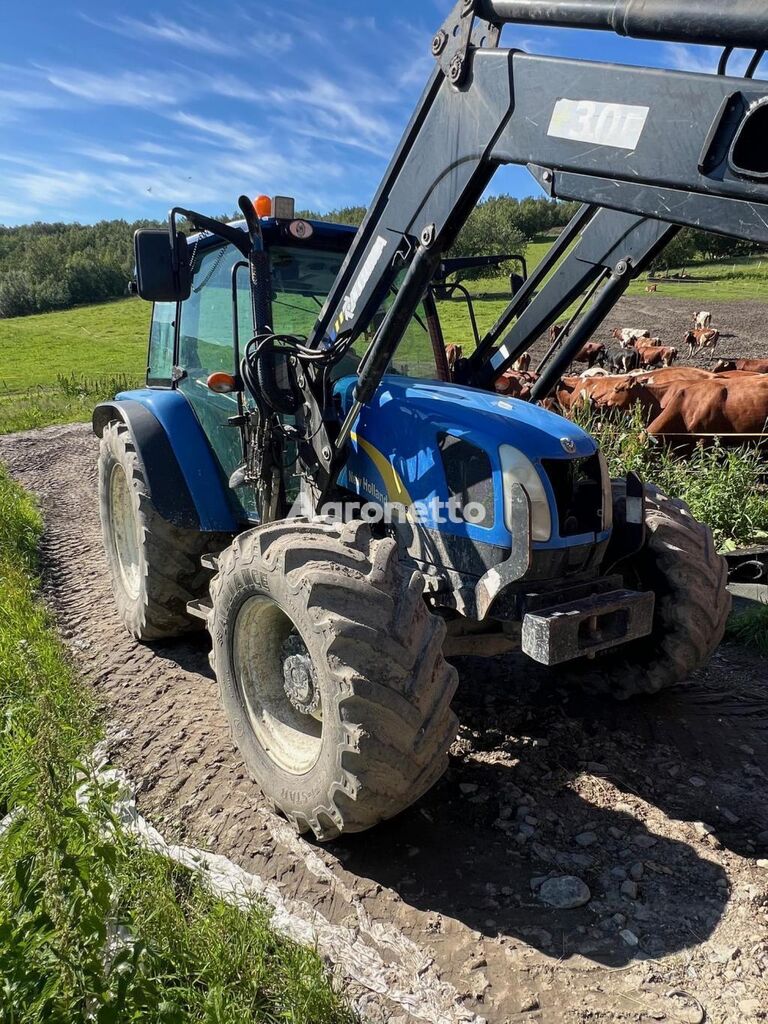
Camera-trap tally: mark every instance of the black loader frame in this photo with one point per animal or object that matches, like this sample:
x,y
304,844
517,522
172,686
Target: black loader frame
x,y
645,151
592,132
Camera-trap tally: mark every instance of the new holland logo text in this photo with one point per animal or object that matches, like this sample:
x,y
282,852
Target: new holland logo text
x,y
349,304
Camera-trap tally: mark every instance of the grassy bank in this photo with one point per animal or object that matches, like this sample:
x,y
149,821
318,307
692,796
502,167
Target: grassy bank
x,y
92,927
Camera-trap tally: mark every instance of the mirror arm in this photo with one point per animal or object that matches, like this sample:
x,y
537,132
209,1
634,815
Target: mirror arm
x,y
203,223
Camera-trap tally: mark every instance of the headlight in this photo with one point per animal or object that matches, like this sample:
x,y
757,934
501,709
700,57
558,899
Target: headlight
x,y
518,469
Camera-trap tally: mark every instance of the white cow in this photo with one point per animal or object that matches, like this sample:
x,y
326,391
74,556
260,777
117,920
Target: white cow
x,y
702,321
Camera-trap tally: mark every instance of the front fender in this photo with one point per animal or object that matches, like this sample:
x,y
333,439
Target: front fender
x,y
183,477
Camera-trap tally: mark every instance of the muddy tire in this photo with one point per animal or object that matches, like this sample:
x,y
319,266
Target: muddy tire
x,y
331,673
155,567
680,564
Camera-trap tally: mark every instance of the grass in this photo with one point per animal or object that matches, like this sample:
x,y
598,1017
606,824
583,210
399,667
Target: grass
x,y
92,927
89,341
724,488
750,628
57,366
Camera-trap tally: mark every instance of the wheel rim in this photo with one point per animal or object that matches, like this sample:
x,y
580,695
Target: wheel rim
x,y
125,531
277,685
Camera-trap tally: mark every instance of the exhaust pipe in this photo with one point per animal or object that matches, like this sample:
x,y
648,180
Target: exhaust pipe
x,y
739,23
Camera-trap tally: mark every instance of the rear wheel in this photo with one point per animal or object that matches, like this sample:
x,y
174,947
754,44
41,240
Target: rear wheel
x,y
155,567
680,564
331,672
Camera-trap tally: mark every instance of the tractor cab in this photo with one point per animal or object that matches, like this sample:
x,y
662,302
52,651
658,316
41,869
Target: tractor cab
x,y
197,343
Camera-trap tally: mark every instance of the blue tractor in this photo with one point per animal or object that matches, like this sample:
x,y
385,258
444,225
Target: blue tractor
x,y
306,474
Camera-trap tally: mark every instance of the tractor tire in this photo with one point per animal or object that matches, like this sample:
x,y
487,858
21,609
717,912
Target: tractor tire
x,y
680,564
155,566
331,673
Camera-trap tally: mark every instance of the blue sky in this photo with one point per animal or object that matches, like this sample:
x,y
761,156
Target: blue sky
x,y
114,110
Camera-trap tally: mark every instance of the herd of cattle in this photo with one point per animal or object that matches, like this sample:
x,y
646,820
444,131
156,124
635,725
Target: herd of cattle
x,y
638,371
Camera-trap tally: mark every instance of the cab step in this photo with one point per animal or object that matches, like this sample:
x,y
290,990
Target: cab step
x,y
200,609
210,561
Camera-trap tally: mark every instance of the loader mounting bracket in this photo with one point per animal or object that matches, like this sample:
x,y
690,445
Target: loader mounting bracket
x,y
451,43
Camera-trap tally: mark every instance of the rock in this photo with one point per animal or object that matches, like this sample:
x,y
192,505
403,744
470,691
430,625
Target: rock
x,y
644,841
586,838
730,817
596,768
565,893
528,1001
629,937
697,781
750,1007
480,986
619,873
526,830
763,837
537,881
703,829
629,889
468,788
636,871
762,864
616,833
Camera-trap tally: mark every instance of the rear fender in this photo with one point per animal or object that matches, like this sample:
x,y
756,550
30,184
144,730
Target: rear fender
x,y
183,477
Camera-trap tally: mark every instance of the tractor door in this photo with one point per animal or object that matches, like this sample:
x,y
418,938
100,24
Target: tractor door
x,y
206,345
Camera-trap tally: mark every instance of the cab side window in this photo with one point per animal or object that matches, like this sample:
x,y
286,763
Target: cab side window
x,y
205,340
161,337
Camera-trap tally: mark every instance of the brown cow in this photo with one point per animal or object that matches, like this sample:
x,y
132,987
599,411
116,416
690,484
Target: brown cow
x,y
721,407
515,385
523,364
696,340
453,354
748,365
652,391
652,355
608,394
556,331
592,353
651,288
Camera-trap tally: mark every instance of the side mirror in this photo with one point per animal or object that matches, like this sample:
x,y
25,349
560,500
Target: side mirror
x,y
163,274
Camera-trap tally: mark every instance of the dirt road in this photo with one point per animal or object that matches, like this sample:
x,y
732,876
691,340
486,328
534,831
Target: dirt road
x,y
659,807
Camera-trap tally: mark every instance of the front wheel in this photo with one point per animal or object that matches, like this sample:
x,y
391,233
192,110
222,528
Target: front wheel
x,y
680,564
155,566
331,673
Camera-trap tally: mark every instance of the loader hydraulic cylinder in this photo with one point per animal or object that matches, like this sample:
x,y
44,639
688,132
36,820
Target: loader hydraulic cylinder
x,y
740,23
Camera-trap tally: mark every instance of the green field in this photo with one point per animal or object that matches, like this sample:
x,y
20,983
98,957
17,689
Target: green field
x,y
56,366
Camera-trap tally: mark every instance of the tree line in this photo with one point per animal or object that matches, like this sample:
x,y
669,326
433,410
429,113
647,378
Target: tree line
x,y
45,267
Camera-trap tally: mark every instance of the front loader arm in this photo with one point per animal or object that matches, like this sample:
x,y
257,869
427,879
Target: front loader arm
x,y
672,147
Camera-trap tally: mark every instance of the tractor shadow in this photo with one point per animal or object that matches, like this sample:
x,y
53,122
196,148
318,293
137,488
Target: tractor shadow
x,y
545,781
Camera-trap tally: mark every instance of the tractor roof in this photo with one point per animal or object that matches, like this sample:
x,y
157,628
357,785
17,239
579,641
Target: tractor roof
x,y
337,235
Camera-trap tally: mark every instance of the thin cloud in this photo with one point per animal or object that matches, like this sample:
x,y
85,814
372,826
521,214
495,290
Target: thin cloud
x,y
124,89
272,42
106,156
236,135
703,59
365,24
164,30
